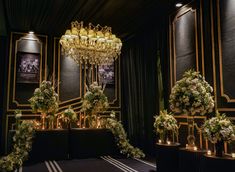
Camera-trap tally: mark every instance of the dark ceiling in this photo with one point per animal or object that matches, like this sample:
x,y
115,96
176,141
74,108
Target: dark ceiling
x,y
52,17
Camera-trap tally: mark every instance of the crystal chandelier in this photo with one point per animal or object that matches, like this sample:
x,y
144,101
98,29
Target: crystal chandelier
x,y
93,44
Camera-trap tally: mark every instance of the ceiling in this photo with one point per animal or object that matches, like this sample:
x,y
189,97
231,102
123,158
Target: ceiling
x,y
52,17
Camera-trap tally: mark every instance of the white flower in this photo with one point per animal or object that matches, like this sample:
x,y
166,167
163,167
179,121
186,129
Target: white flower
x,y
192,95
218,128
18,115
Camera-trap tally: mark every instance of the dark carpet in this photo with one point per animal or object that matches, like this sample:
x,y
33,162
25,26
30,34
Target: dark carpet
x,y
102,164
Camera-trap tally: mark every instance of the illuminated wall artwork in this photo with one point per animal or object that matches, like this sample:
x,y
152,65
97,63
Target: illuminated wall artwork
x,y
28,67
107,78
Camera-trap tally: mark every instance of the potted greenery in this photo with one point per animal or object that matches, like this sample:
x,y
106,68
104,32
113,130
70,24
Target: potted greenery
x,y
69,116
45,101
94,101
166,126
218,130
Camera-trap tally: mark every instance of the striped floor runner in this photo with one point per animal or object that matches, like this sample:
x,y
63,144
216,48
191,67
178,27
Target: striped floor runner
x,y
102,164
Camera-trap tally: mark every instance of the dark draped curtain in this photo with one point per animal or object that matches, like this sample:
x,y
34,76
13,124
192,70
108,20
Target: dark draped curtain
x,y
140,100
3,68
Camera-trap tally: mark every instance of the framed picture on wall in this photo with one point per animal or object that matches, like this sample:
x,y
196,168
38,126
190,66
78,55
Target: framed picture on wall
x,y
28,67
107,74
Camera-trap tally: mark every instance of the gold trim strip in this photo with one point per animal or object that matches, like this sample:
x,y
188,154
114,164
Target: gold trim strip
x,y
59,68
10,72
202,38
14,80
213,53
176,18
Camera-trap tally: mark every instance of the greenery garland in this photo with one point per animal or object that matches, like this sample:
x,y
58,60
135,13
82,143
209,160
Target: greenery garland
x,y
120,136
22,145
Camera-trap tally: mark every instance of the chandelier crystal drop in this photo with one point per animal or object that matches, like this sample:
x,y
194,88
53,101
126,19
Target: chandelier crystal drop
x,y
91,45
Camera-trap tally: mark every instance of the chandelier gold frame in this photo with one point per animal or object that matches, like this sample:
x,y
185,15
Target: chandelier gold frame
x,y
94,45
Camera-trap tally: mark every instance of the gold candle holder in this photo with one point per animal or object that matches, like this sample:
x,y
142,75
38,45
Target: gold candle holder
x,y
43,116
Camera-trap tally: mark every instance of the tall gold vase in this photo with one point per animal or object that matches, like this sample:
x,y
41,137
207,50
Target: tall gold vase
x,y
43,116
191,138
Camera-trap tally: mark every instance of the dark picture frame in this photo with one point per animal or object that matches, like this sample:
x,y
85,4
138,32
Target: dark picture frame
x,y
28,67
107,74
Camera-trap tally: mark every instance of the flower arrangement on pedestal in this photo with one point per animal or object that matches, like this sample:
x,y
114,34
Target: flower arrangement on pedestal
x,y
94,101
22,145
121,138
45,101
191,95
166,126
218,130
69,116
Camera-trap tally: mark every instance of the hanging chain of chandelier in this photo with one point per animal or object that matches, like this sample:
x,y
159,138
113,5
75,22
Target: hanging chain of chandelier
x,y
94,45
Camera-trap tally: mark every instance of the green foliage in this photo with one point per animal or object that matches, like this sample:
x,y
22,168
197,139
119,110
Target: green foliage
x,y
22,145
121,138
44,99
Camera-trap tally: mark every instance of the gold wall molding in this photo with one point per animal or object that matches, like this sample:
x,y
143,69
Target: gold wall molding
x,y
76,102
213,52
222,91
14,80
202,38
172,20
11,89
59,78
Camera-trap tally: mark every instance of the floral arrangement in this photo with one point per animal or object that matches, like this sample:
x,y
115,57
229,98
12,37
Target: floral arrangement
x,y
219,128
121,137
22,145
165,122
192,95
69,114
44,99
94,100
18,114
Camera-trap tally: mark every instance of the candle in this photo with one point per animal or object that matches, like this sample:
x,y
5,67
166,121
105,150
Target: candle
x,y
159,141
209,152
168,142
233,155
195,148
